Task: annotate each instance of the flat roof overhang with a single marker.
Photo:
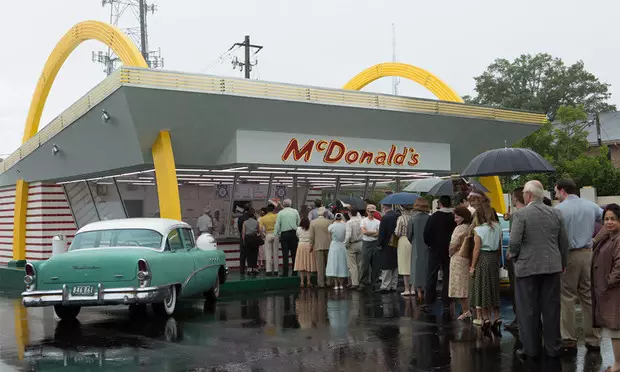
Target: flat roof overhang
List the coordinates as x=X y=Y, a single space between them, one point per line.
x=206 y=116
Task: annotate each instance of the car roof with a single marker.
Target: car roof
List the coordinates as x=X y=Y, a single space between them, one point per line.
x=161 y=225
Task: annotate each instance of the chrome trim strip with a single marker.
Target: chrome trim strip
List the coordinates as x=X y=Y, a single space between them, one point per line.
x=196 y=272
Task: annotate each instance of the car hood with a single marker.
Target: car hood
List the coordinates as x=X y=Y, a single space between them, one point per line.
x=100 y=265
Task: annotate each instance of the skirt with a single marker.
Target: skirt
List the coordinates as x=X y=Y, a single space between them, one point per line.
x=337 y=261
x=485 y=288
x=458 y=285
x=304 y=259
x=404 y=256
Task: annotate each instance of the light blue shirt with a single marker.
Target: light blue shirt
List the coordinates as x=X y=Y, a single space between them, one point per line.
x=287 y=220
x=490 y=237
x=579 y=217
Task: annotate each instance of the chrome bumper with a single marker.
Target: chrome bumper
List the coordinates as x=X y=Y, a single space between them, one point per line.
x=103 y=296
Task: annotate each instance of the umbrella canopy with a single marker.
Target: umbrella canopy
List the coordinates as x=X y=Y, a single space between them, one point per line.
x=401 y=198
x=478 y=185
x=507 y=161
x=445 y=187
x=354 y=202
x=424 y=185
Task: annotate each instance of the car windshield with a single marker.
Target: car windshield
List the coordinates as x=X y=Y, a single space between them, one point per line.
x=117 y=238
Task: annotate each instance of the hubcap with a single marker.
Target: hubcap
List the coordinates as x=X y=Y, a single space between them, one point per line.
x=216 y=289
x=168 y=300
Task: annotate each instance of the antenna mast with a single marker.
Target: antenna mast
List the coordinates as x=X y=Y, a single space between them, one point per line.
x=395 y=79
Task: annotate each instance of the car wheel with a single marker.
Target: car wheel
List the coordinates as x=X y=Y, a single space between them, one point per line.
x=167 y=307
x=66 y=312
x=214 y=293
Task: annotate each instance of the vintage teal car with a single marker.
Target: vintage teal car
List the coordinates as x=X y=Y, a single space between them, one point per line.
x=134 y=261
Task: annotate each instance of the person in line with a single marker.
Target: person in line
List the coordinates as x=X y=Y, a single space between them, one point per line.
x=375 y=212
x=419 y=249
x=250 y=235
x=484 y=267
x=287 y=221
x=320 y=242
x=305 y=262
x=271 y=248
x=337 y=258
x=205 y=222
x=539 y=249
x=580 y=216
x=475 y=198
x=314 y=213
x=518 y=203
x=388 y=244
x=353 y=242
x=261 y=249
x=370 y=248
x=404 y=247
x=242 y=252
x=437 y=233
x=547 y=202
x=460 y=255
x=606 y=281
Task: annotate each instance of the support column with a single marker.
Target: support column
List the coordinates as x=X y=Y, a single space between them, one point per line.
x=295 y=196
x=166 y=177
x=269 y=188
x=19 y=224
x=22 y=333
x=495 y=193
x=365 y=193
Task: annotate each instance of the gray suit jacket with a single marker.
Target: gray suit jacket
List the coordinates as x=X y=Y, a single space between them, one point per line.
x=538 y=240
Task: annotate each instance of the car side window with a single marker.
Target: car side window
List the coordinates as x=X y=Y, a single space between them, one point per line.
x=174 y=240
x=188 y=238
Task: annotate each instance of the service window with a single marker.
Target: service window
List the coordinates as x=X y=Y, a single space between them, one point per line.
x=174 y=240
x=188 y=238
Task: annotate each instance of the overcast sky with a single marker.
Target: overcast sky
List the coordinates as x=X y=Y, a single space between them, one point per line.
x=318 y=42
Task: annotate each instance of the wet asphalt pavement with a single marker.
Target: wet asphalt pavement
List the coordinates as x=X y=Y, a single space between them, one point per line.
x=311 y=330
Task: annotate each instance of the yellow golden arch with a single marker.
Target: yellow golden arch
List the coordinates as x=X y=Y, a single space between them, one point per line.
x=163 y=157
x=441 y=90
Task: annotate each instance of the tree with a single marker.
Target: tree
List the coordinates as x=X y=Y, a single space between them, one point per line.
x=540 y=83
x=564 y=143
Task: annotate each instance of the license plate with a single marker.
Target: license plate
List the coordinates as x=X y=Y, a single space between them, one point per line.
x=83 y=290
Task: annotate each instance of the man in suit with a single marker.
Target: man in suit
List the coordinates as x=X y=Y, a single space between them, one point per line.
x=538 y=249
x=319 y=242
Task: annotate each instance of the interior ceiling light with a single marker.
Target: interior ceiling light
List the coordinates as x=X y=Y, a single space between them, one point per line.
x=267 y=172
x=275 y=168
x=193 y=170
x=315 y=169
x=230 y=169
x=304 y=173
x=253 y=176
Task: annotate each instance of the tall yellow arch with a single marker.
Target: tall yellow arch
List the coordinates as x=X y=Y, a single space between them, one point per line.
x=441 y=90
x=162 y=148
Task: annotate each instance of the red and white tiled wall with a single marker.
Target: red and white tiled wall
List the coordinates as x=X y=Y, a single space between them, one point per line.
x=48 y=214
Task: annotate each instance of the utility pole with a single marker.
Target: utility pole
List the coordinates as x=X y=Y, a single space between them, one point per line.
x=138 y=35
x=143 y=33
x=247 y=65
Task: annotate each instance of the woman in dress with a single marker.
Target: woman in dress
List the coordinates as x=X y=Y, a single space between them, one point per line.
x=404 y=247
x=419 y=249
x=249 y=232
x=304 y=260
x=606 y=281
x=484 y=268
x=337 y=267
x=460 y=253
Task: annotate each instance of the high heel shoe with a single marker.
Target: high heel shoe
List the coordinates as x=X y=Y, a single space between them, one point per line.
x=465 y=316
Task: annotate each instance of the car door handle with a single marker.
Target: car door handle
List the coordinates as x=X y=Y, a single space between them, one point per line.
x=118 y=276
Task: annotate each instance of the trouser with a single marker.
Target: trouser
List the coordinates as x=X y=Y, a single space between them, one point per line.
x=321 y=264
x=389 y=279
x=539 y=295
x=272 y=256
x=511 y=276
x=370 y=264
x=354 y=262
x=576 y=285
x=242 y=256
x=288 y=241
x=436 y=263
x=251 y=249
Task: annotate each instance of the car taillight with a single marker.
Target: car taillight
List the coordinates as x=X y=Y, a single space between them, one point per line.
x=29 y=268
x=142 y=265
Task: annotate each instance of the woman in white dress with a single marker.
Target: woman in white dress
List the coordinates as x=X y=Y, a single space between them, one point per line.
x=337 y=257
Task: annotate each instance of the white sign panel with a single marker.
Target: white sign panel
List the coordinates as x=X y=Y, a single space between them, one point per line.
x=305 y=149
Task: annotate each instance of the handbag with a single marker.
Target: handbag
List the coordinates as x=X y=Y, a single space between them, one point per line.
x=259 y=239
x=393 y=241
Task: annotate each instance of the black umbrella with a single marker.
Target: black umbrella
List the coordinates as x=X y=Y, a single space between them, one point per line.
x=354 y=201
x=507 y=161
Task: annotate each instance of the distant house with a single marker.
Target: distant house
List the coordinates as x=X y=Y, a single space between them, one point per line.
x=606 y=132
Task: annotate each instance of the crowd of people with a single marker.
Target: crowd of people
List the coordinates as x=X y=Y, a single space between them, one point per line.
x=555 y=257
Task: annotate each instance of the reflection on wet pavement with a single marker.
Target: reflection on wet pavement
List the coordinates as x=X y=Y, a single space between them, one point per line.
x=310 y=330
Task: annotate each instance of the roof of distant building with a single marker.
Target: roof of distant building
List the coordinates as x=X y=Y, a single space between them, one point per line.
x=610 y=128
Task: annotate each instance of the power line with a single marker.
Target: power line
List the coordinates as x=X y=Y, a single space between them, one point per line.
x=220 y=59
x=247 y=65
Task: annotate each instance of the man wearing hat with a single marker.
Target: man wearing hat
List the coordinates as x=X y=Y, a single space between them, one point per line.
x=205 y=222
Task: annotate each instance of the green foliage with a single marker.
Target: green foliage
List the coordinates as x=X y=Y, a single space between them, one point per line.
x=565 y=145
x=540 y=83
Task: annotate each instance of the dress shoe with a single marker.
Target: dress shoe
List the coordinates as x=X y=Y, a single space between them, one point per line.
x=512 y=327
x=568 y=346
x=521 y=354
